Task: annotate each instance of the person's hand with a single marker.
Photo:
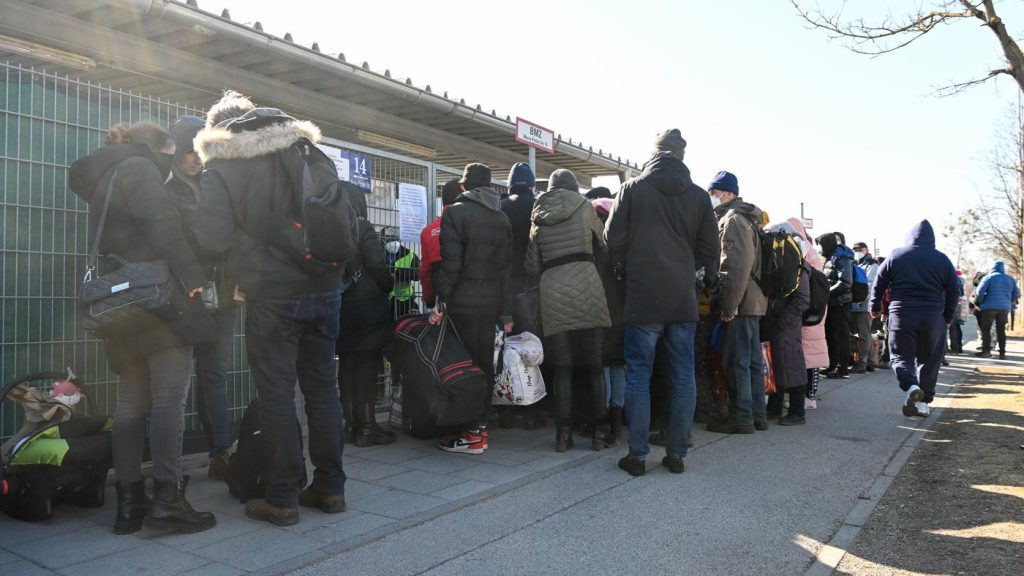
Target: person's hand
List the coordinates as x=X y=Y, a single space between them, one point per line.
x=508 y=328
x=436 y=316
x=728 y=318
x=876 y=313
x=195 y=292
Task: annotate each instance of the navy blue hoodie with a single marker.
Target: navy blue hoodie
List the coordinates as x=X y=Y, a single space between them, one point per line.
x=919 y=277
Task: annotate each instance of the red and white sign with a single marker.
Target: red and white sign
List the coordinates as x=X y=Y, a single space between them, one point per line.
x=535 y=136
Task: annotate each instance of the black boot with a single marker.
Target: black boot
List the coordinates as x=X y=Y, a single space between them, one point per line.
x=563 y=409
x=370 y=433
x=598 y=412
x=132 y=505
x=563 y=437
x=615 y=414
x=171 y=512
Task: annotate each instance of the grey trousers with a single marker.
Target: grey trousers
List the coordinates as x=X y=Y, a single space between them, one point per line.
x=153 y=388
x=861 y=325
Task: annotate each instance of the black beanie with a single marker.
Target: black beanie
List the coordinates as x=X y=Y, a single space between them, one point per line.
x=184 y=131
x=450 y=192
x=671 y=141
x=599 y=192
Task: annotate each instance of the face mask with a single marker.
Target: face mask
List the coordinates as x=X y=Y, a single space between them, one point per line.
x=164 y=162
x=393 y=246
x=715 y=202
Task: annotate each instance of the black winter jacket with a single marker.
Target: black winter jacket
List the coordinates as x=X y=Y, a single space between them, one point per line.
x=365 y=314
x=476 y=256
x=663 y=228
x=838 y=269
x=243 y=185
x=518 y=208
x=142 y=225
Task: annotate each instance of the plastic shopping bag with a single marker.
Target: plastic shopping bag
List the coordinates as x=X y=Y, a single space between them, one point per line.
x=518 y=381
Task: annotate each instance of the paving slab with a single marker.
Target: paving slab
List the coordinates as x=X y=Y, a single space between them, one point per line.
x=150 y=559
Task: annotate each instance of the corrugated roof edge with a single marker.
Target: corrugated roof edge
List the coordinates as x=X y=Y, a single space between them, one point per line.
x=190 y=13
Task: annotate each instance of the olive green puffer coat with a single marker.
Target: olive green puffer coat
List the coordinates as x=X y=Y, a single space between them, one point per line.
x=571 y=295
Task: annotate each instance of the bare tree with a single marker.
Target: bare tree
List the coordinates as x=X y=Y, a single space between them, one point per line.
x=892 y=33
x=995 y=226
x=962 y=233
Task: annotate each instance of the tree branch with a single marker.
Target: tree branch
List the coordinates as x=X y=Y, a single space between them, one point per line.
x=954 y=89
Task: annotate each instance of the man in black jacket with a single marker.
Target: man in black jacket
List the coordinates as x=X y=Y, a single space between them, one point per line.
x=213 y=359
x=473 y=284
x=518 y=207
x=663 y=229
x=839 y=272
x=292 y=313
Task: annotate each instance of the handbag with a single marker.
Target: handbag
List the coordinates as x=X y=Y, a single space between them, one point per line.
x=131 y=293
x=527 y=312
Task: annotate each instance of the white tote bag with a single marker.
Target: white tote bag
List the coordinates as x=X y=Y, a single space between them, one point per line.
x=518 y=381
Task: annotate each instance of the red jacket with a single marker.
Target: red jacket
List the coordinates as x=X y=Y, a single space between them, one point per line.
x=430 y=245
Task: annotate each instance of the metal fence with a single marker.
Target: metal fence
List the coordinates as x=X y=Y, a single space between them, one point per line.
x=47 y=121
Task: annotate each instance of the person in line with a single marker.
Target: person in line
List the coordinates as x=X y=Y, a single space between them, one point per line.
x=997 y=295
x=472 y=285
x=565 y=235
x=924 y=292
x=740 y=303
x=815 y=344
x=518 y=206
x=662 y=228
x=430 y=243
x=614 y=357
x=839 y=272
x=404 y=265
x=292 y=310
x=787 y=344
x=213 y=359
x=860 y=316
x=153 y=358
x=368 y=329
x=956 y=332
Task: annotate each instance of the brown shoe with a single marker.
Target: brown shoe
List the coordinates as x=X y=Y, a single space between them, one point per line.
x=219 y=466
x=329 y=503
x=260 y=509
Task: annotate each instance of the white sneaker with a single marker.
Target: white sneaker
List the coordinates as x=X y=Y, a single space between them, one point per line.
x=913 y=397
x=810 y=404
x=923 y=410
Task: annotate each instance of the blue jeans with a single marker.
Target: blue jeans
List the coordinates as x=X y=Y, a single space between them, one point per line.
x=640 y=342
x=213 y=359
x=288 y=339
x=615 y=380
x=744 y=370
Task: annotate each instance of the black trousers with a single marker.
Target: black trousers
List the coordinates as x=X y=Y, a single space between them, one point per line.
x=956 y=337
x=357 y=380
x=837 y=335
x=986 y=319
x=477 y=335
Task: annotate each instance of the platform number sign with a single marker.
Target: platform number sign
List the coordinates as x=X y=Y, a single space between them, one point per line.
x=360 y=171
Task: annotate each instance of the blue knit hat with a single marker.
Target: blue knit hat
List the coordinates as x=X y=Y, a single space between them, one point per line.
x=726 y=182
x=521 y=175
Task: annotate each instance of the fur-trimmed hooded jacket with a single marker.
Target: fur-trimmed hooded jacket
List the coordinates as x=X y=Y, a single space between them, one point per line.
x=243 y=184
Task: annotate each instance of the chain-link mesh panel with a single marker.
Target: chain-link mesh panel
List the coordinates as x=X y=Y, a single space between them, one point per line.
x=46 y=123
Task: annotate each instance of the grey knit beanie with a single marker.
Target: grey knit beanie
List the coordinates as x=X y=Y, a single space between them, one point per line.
x=563 y=178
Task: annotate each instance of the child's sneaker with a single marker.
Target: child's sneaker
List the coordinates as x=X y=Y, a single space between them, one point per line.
x=485 y=437
x=467 y=442
x=913 y=397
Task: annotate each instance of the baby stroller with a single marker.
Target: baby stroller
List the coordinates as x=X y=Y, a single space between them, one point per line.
x=55 y=456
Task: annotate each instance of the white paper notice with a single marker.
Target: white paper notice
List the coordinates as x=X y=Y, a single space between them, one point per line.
x=340 y=159
x=412 y=211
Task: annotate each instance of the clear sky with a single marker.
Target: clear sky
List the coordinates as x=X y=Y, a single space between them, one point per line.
x=863 y=142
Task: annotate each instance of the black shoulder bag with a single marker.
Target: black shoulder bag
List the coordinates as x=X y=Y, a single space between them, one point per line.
x=127 y=295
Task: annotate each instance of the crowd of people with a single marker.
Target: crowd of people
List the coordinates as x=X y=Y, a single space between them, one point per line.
x=651 y=305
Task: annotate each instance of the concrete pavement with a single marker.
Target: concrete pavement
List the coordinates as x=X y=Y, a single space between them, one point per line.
x=767 y=504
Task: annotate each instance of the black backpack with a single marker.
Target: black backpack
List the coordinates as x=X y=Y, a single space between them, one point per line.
x=245 y=470
x=815 y=312
x=781 y=261
x=319 y=234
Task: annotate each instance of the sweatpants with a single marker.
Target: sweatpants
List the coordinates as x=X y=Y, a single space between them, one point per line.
x=861 y=322
x=917 y=342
